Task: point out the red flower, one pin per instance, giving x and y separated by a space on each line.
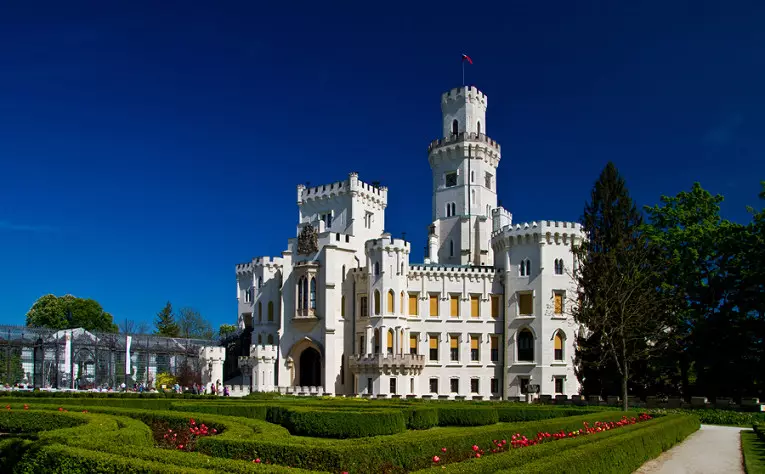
443 450
436 459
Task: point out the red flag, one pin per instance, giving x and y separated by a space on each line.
465 57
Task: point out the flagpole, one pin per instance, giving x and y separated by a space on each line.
463 71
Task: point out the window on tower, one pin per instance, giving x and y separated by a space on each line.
451 179
479 127
455 127
488 180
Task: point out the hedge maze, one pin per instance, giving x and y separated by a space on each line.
294 435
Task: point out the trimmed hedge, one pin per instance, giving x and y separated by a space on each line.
32 421
421 418
620 454
529 413
517 457
759 430
472 416
715 417
344 423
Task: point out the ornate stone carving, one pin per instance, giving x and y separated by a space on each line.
308 241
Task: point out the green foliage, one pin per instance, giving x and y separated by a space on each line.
33 421
526 413
68 312
166 379
617 276
513 459
617 454
11 369
343 423
471 416
165 322
421 418
227 329
715 417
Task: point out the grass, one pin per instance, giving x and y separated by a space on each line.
754 452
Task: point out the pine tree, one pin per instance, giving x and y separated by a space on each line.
617 277
165 323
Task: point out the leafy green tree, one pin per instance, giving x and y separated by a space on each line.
191 324
67 312
165 322
617 276
226 329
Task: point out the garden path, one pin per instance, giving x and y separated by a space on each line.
712 449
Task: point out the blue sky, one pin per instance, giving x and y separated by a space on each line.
147 147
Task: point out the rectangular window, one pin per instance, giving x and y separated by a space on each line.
362 347
392 386
558 384
525 304
494 385
558 297
413 304
454 347
454 306
475 306
454 385
413 343
495 306
364 306
475 348
369 385
473 385
434 385
451 179
433 347
488 180
434 305
494 348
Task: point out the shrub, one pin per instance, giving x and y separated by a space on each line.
518 457
527 413
419 418
759 430
619 454
472 416
343 423
229 409
716 417
33 421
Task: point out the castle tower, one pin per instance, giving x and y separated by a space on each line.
464 165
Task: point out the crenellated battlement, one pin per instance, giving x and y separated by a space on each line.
537 232
353 185
464 93
436 270
478 142
266 262
388 244
263 352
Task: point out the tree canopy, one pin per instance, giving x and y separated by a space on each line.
68 312
165 322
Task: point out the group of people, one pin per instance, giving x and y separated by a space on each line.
214 389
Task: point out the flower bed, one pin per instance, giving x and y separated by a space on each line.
183 438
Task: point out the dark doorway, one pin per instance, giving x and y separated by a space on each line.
310 368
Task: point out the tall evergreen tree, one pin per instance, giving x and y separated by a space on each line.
617 275
165 322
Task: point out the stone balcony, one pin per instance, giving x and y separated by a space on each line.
386 362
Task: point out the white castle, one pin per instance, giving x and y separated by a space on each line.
343 311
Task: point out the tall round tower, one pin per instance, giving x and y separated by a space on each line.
464 165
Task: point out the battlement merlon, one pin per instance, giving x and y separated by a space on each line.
266 262
263 352
388 244
353 185
546 229
467 93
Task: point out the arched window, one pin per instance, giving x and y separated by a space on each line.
472 197
377 341
260 312
559 266
260 282
522 268
270 339
401 303
377 302
270 310
342 306
451 248
558 344
448 209
525 346
402 268
391 306
472 176
299 303
313 293
528 267
488 210
377 268
342 277
304 300
390 341
454 209
479 127
455 127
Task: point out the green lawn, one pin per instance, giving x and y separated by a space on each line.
754 452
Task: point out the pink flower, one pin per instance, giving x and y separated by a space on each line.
256 460
436 459
443 450
475 447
